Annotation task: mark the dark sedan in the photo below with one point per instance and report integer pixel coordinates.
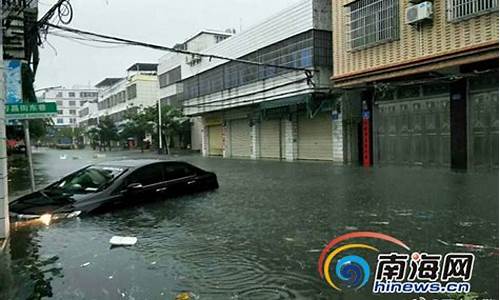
(105, 186)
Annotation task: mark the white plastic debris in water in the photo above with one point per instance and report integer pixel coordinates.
(63, 156)
(85, 265)
(123, 241)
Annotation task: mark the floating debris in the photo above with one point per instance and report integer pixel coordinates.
(123, 241)
(63, 157)
(470, 247)
(110, 277)
(380, 223)
(153, 263)
(314, 250)
(85, 265)
(186, 296)
(288, 239)
(465, 224)
(351, 228)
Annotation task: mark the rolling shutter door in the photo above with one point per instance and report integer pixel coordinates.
(270, 139)
(215, 140)
(484, 128)
(315, 137)
(240, 138)
(415, 132)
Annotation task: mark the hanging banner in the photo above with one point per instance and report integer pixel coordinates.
(13, 84)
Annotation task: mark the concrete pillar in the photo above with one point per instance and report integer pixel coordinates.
(458, 123)
(255, 138)
(337, 137)
(4, 199)
(291, 147)
(226, 139)
(204, 140)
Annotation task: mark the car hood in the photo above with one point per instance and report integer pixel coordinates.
(43, 202)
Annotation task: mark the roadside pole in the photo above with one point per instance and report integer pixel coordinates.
(27, 141)
(160, 142)
(4, 199)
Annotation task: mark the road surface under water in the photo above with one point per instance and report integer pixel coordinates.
(258, 237)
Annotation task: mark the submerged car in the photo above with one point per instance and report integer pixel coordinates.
(106, 186)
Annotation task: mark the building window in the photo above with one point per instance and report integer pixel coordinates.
(59, 95)
(132, 91)
(72, 121)
(72, 103)
(371, 22)
(170, 77)
(59, 103)
(60, 121)
(296, 51)
(464, 9)
(60, 112)
(88, 94)
(220, 38)
(72, 112)
(71, 94)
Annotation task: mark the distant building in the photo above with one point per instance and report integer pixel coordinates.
(252, 111)
(170, 73)
(136, 91)
(69, 102)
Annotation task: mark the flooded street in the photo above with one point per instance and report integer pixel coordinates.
(258, 237)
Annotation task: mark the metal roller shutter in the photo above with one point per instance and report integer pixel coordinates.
(415, 132)
(240, 138)
(315, 137)
(215, 140)
(484, 128)
(270, 139)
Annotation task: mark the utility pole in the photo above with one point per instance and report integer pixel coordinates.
(4, 195)
(27, 141)
(160, 142)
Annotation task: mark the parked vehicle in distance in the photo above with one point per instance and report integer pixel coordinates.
(106, 186)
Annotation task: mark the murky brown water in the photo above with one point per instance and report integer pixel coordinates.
(257, 237)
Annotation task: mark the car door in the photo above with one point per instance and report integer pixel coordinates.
(150, 181)
(181, 178)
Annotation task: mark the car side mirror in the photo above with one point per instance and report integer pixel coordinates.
(133, 187)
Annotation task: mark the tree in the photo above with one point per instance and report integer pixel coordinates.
(145, 121)
(108, 132)
(94, 137)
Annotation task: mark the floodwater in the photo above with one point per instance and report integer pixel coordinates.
(257, 237)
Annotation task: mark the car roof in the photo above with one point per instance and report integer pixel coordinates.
(132, 163)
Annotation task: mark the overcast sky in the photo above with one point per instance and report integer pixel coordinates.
(164, 22)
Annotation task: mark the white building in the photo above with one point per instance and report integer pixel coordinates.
(252, 111)
(136, 91)
(69, 102)
(171, 73)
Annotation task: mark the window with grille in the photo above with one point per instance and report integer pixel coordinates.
(132, 91)
(371, 22)
(464, 9)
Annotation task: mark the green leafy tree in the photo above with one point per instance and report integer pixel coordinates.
(108, 132)
(145, 121)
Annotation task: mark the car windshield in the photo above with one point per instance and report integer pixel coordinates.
(88, 180)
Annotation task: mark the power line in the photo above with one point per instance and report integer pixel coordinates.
(170, 49)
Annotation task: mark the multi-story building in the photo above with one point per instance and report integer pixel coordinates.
(263, 111)
(138, 90)
(426, 72)
(170, 73)
(69, 102)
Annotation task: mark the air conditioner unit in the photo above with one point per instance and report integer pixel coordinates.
(419, 12)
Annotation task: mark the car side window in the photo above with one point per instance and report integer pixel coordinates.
(178, 170)
(147, 175)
